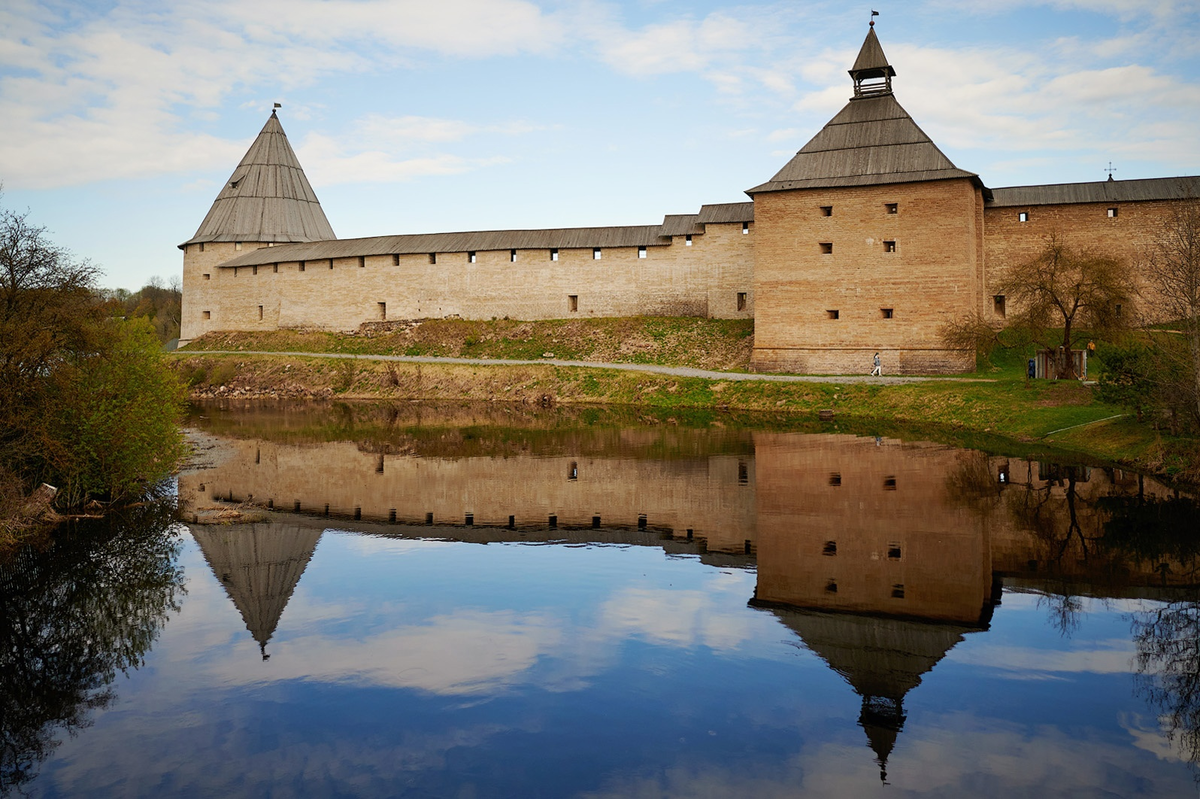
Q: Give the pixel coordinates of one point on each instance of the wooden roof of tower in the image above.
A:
(267, 198)
(872, 141)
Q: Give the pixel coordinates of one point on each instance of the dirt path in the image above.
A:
(675, 371)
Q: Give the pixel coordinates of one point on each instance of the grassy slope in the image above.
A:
(1030, 416)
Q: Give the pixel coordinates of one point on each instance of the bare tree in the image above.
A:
(1174, 271)
(1062, 290)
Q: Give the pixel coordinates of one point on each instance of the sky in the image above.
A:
(121, 120)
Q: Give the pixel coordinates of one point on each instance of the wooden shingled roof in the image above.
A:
(267, 198)
(1104, 191)
(493, 240)
(872, 141)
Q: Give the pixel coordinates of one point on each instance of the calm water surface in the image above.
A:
(714, 610)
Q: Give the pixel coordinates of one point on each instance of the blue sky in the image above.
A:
(119, 121)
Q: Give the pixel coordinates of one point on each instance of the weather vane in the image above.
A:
(873, 15)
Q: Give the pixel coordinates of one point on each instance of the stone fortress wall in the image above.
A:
(709, 277)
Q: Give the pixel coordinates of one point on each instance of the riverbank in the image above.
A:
(992, 410)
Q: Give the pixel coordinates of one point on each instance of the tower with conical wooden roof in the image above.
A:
(868, 240)
(266, 201)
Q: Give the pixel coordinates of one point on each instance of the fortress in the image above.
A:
(868, 240)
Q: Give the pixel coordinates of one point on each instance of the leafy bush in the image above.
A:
(115, 418)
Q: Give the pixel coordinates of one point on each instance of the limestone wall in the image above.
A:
(834, 286)
(703, 278)
(1129, 236)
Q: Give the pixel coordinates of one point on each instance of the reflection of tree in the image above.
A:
(972, 484)
(1168, 657)
(1058, 522)
(71, 616)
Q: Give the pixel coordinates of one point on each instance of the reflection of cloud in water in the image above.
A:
(373, 546)
(962, 756)
(684, 618)
(464, 653)
(1114, 656)
(1151, 737)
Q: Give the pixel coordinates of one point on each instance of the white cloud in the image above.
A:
(106, 95)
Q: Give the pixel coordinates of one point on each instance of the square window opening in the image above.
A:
(595, 253)
(886, 313)
(745, 228)
(208, 277)
(641, 252)
(889, 246)
(512, 256)
(554, 255)
(741, 300)
(889, 483)
(827, 248)
(830, 548)
(826, 210)
(832, 314)
(1112, 213)
(433, 257)
(688, 240)
(892, 208)
(206, 314)
(471, 257)
(894, 550)
(831, 587)
(237, 245)
(835, 479)
(1023, 216)
(898, 591)
(572, 302)
(302, 266)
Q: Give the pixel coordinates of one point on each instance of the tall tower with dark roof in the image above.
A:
(266, 201)
(868, 240)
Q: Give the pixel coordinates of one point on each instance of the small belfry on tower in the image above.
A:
(871, 72)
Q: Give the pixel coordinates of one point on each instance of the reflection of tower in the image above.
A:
(882, 659)
(259, 565)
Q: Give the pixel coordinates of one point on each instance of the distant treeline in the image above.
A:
(155, 302)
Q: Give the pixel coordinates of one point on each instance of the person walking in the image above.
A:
(878, 370)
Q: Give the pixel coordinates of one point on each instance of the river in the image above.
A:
(494, 601)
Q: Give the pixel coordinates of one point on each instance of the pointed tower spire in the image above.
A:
(871, 72)
(267, 198)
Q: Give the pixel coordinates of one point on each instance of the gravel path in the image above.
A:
(675, 371)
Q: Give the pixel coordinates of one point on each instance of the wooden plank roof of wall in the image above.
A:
(1102, 191)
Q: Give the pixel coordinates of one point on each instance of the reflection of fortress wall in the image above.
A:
(259, 566)
(846, 525)
(710, 495)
